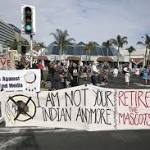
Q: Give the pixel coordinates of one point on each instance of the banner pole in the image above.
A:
(31, 47)
(115, 109)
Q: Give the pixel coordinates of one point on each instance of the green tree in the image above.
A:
(24, 46)
(17, 45)
(130, 50)
(107, 45)
(88, 47)
(146, 43)
(14, 45)
(40, 45)
(62, 40)
(119, 43)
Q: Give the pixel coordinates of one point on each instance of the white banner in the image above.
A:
(133, 109)
(78, 108)
(102, 102)
(83, 107)
(20, 80)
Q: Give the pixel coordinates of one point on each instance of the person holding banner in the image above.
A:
(115, 72)
(145, 72)
(40, 66)
(50, 77)
(127, 75)
(24, 64)
(56, 81)
(73, 73)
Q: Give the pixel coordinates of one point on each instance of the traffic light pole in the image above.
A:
(31, 47)
(28, 25)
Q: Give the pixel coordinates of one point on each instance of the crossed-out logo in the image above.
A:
(20, 108)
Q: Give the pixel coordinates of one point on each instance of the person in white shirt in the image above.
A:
(115, 72)
(137, 71)
(127, 75)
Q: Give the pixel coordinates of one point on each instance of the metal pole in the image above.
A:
(31, 47)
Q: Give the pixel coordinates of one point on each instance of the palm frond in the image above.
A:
(140, 43)
(71, 39)
(131, 49)
(62, 39)
(107, 44)
(113, 42)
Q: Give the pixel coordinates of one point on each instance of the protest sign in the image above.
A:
(103, 105)
(6, 62)
(20, 80)
(78, 108)
(133, 109)
(83, 107)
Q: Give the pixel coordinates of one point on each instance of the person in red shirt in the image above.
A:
(40, 66)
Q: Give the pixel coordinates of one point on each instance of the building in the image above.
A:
(7, 34)
(10, 37)
(136, 58)
(76, 52)
(17, 33)
(100, 54)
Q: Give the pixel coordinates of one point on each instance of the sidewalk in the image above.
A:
(141, 85)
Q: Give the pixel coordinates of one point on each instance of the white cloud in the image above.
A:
(85, 20)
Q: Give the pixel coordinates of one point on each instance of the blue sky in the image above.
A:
(85, 20)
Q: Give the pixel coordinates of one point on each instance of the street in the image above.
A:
(65, 139)
(61, 139)
(119, 82)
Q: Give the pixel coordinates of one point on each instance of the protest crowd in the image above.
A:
(63, 74)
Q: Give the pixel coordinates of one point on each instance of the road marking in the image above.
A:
(10, 130)
(54, 130)
(11, 142)
(142, 85)
(35, 130)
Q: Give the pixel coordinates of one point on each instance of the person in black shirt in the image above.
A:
(73, 73)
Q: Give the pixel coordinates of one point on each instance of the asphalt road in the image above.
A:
(73, 140)
(119, 82)
(62, 139)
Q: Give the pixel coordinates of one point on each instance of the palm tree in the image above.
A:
(146, 43)
(40, 44)
(62, 40)
(107, 45)
(17, 45)
(88, 48)
(119, 42)
(14, 45)
(24, 46)
(130, 50)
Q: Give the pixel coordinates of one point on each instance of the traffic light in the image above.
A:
(28, 20)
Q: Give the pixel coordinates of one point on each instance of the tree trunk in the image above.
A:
(89, 55)
(86, 57)
(118, 64)
(130, 63)
(60, 53)
(129, 57)
(145, 58)
(107, 51)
